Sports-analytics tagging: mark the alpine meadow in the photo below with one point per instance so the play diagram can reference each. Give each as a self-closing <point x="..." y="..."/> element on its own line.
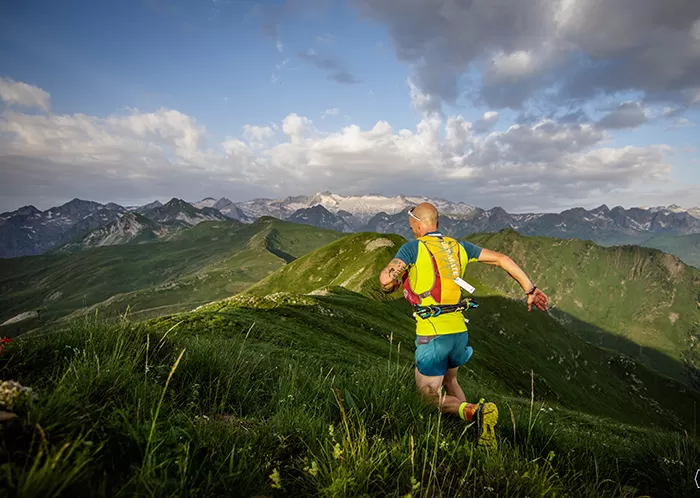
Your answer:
<point x="300" y="384"/>
<point x="350" y="249"/>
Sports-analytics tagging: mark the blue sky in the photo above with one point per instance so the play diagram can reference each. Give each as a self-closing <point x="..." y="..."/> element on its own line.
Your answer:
<point x="191" y="56"/>
<point x="130" y="82"/>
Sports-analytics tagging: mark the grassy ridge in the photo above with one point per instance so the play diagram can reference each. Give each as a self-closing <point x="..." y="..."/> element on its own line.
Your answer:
<point x="209" y="261"/>
<point x="345" y="328"/>
<point x="636" y="300"/>
<point x="302" y="386"/>
<point x="296" y="395"/>
<point x="352" y="262"/>
<point x="686" y="247"/>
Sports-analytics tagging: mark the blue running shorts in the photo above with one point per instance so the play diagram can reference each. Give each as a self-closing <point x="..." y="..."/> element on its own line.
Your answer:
<point x="442" y="352"/>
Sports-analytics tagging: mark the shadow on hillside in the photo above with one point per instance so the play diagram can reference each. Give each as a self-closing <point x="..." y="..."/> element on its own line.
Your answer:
<point x="651" y="358"/>
<point x="490" y="315"/>
<point x="288" y="258"/>
<point x="596" y="371"/>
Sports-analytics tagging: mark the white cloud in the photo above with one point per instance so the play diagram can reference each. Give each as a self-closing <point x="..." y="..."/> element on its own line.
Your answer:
<point x="682" y="123"/>
<point x="282" y="64"/>
<point x="280" y="45"/>
<point x="296" y="128"/>
<point x="512" y="67"/>
<point x="18" y="93"/>
<point x="422" y="101"/>
<point x="325" y="38"/>
<point x="486" y="122"/>
<point x="275" y="77"/>
<point x="162" y="135"/>
<point x="547" y="50"/>
<point x="546" y="163"/>
<point x="330" y="112"/>
<point x="626" y="115"/>
<point x="259" y="136"/>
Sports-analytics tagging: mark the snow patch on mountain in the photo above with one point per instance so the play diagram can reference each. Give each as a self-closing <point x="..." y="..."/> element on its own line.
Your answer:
<point x="209" y="202"/>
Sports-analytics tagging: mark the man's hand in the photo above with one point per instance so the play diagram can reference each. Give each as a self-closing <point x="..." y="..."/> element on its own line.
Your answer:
<point x="390" y="277"/>
<point x="539" y="299"/>
<point x="391" y="286"/>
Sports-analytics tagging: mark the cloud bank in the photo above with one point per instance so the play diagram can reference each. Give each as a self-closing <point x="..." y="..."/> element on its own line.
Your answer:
<point x="542" y="165"/>
<point x="545" y="51"/>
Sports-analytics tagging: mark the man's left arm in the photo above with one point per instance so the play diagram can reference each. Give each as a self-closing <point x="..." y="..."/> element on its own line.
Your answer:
<point x="390" y="277"/>
<point x="538" y="298"/>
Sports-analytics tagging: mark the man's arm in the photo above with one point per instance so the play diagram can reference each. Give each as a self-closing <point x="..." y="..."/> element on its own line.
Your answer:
<point x="390" y="277"/>
<point x="538" y="298"/>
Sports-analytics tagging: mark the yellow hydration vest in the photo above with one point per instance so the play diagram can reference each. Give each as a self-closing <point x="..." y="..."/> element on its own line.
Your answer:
<point x="431" y="281"/>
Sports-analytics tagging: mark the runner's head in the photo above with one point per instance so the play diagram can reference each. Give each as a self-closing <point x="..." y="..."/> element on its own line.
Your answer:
<point x="423" y="219"/>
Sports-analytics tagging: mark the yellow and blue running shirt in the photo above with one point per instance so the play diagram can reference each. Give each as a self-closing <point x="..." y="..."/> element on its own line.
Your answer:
<point x="433" y="261"/>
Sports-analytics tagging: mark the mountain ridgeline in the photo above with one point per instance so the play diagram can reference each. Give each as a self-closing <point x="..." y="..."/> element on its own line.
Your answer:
<point x="637" y="301"/>
<point x="190" y="267"/>
<point x="29" y="231"/>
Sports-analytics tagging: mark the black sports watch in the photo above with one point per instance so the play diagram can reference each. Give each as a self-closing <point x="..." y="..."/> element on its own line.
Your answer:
<point x="531" y="291"/>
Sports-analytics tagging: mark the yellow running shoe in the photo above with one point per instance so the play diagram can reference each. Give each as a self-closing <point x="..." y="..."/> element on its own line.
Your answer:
<point x="486" y="417"/>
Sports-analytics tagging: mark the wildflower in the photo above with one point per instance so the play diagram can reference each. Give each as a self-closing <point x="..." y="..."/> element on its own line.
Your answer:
<point x="13" y="393"/>
<point x="276" y="479"/>
<point x="415" y="485"/>
<point x="4" y="341"/>
<point x="337" y="451"/>
<point x="313" y="470"/>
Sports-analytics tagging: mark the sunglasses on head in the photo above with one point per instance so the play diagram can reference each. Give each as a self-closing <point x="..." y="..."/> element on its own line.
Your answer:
<point x="410" y="213"/>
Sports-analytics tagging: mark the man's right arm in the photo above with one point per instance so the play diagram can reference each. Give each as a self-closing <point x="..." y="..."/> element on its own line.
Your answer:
<point x="537" y="297"/>
<point x="497" y="259"/>
<point x="390" y="277"/>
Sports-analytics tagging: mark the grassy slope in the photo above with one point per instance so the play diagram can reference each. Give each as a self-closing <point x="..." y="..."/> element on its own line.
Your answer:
<point x="686" y="247"/>
<point x="571" y="371"/>
<point x="209" y="261"/>
<point x="318" y="390"/>
<point x="290" y="394"/>
<point x="619" y="297"/>
<point x="353" y="262"/>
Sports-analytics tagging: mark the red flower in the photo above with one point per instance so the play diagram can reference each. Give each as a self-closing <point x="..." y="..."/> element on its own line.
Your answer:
<point x="4" y="341"/>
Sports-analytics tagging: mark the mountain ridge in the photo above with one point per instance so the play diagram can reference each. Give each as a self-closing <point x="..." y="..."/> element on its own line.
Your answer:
<point x="371" y="212"/>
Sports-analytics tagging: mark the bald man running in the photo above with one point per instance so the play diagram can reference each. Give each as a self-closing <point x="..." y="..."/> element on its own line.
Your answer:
<point x="430" y="270"/>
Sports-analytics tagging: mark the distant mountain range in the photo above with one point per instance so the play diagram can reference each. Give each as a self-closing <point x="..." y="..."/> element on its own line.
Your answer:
<point x="81" y="224"/>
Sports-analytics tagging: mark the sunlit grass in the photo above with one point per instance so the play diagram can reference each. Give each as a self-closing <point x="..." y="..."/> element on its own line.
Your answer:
<point x="136" y="410"/>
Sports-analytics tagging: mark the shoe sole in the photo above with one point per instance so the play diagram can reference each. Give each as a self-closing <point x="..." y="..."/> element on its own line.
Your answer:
<point x="489" y="418"/>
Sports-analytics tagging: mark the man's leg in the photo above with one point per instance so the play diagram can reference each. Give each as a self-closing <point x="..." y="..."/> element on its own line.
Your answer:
<point x="452" y="386"/>
<point x="465" y="410"/>
<point x="431" y="388"/>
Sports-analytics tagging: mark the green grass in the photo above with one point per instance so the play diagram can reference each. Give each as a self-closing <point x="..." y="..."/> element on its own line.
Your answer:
<point x="295" y="395"/>
<point x="303" y="386"/>
<point x="686" y="247"/>
<point x="639" y="301"/>
<point x="352" y="262"/>
<point x="209" y="261"/>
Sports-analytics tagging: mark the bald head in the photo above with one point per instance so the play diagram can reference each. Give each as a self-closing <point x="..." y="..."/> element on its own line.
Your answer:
<point x="428" y="215"/>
